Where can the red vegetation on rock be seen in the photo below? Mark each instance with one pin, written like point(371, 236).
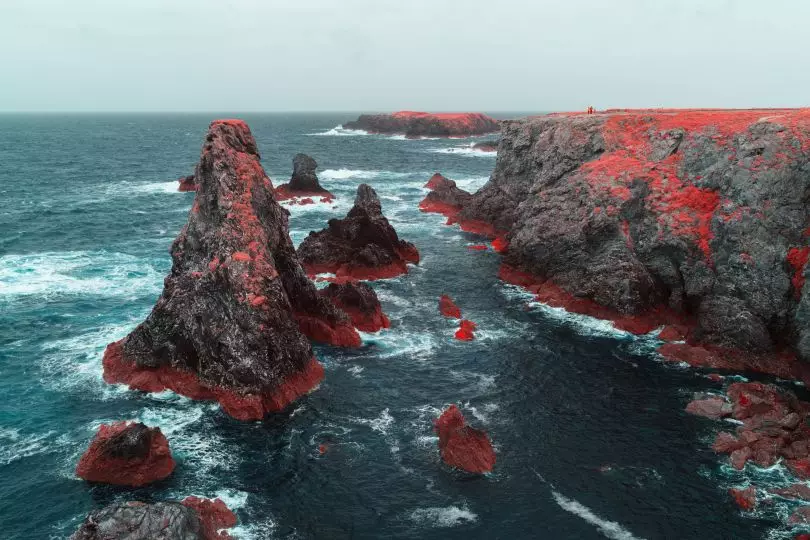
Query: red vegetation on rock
point(500, 244)
point(745, 498)
point(421, 124)
point(359, 301)
point(797, 259)
point(186, 383)
point(477, 247)
point(319, 330)
point(465, 331)
point(461, 446)
point(448, 308)
point(187, 183)
point(127, 454)
point(214, 516)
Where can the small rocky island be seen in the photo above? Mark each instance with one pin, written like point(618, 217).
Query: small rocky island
point(363, 245)
point(421, 124)
point(303, 186)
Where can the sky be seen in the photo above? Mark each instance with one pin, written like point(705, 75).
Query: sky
point(382, 55)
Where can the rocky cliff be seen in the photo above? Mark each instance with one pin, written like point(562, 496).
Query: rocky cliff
point(228, 325)
point(693, 218)
point(422, 124)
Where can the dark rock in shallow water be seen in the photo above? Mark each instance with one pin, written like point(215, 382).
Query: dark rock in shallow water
point(462, 446)
point(187, 183)
point(129, 454)
point(421, 124)
point(228, 325)
point(360, 303)
point(363, 245)
point(304, 182)
point(652, 217)
point(192, 519)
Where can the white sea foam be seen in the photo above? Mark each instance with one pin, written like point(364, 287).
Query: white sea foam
point(472, 183)
point(610, 529)
point(449, 516)
point(356, 370)
point(254, 531)
point(358, 174)
point(380, 424)
point(96, 273)
point(340, 131)
point(147, 188)
point(466, 150)
point(15, 446)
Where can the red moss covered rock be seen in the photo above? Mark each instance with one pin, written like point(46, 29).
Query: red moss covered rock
point(745, 498)
point(448, 308)
point(228, 325)
point(360, 303)
point(465, 330)
point(187, 183)
point(462, 446)
point(422, 124)
point(304, 186)
point(362, 246)
point(127, 454)
point(214, 516)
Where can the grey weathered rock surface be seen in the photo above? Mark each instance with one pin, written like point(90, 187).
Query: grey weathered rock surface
point(141, 521)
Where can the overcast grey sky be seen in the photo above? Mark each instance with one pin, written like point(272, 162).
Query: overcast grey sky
point(492, 55)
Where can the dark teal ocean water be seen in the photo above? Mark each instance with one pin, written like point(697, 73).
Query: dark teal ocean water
point(588, 425)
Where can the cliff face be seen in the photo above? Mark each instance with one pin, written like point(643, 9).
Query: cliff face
point(421, 124)
point(691, 216)
point(228, 325)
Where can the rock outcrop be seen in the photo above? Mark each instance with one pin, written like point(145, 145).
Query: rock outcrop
point(187, 183)
point(228, 325)
point(127, 454)
point(304, 184)
point(652, 217)
point(466, 330)
point(360, 303)
point(447, 199)
point(462, 446)
point(448, 308)
point(486, 146)
point(422, 124)
point(191, 519)
point(363, 245)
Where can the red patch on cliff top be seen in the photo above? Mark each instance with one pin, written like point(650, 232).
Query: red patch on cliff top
point(448, 308)
point(186, 383)
point(797, 259)
point(462, 446)
point(214, 516)
point(97, 465)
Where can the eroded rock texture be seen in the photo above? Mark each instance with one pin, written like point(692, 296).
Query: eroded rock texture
point(422, 124)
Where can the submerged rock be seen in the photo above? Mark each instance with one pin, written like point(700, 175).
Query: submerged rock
point(303, 185)
point(422, 124)
point(448, 308)
point(745, 498)
point(228, 325)
point(192, 519)
point(655, 217)
point(187, 183)
point(363, 245)
point(360, 303)
point(462, 446)
point(128, 454)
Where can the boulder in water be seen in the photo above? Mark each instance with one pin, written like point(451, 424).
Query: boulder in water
point(462, 446)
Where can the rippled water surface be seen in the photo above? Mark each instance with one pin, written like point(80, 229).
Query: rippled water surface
point(588, 425)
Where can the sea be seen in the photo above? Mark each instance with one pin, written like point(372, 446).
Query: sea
point(587, 422)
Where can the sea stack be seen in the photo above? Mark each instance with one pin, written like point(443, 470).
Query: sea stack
point(360, 303)
point(462, 446)
point(363, 245)
point(191, 519)
point(304, 182)
point(187, 183)
point(127, 454)
point(695, 218)
point(421, 124)
point(228, 325)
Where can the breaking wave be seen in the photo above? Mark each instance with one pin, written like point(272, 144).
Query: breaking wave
point(339, 131)
point(449, 516)
point(610, 529)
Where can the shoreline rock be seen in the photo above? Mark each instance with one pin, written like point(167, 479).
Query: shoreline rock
point(187, 183)
point(303, 186)
point(448, 308)
point(421, 124)
point(658, 217)
point(191, 519)
point(362, 246)
point(232, 320)
point(127, 454)
point(486, 146)
point(462, 446)
point(360, 303)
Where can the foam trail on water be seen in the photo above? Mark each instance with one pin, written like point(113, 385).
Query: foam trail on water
point(466, 150)
point(358, 174)
point(449, 516)
point(339, 131)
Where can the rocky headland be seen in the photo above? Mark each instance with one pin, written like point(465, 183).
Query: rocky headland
point(236, 309)
point(303, 187)
point(692, 220)
point(421, 124)
point(363, 245)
